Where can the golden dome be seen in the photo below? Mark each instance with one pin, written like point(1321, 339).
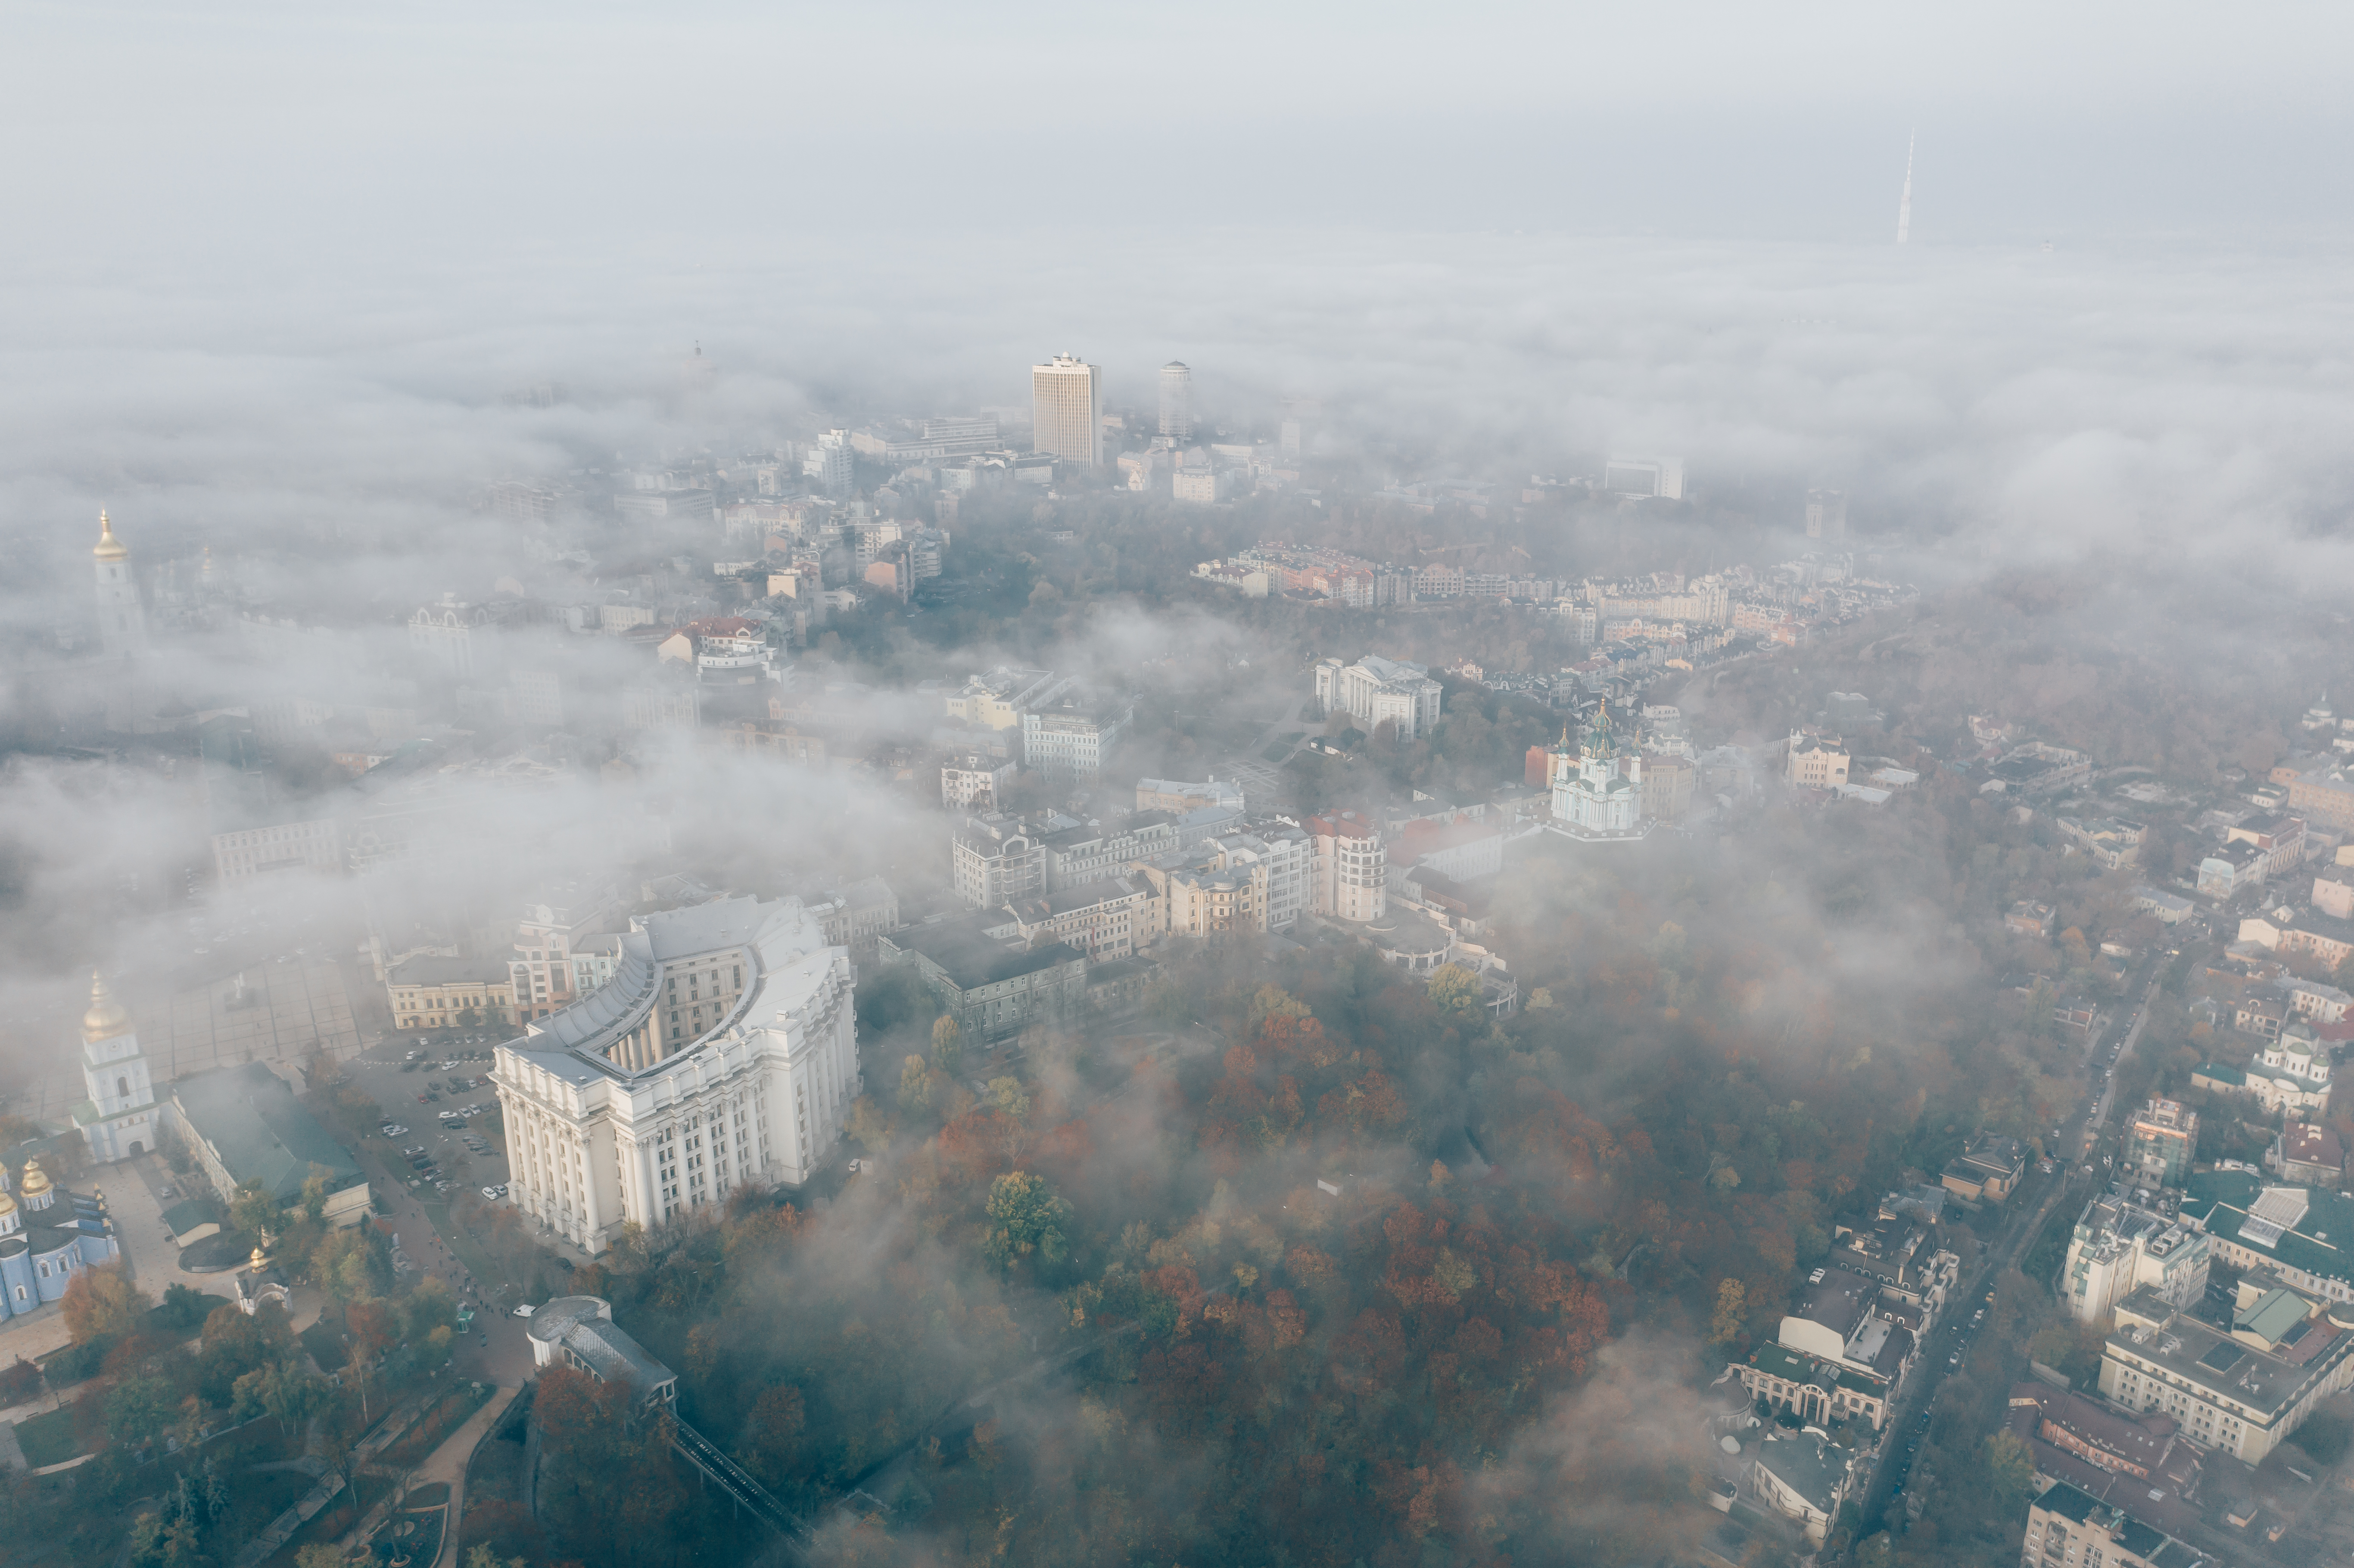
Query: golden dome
point(7, 1206)
point(36, 1178)
point(106, 1017)
point(258, 1261)
point(110, 548)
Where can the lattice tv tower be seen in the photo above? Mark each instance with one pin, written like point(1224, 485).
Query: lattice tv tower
point(1905, 202)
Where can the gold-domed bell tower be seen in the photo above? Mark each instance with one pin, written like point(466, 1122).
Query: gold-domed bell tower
point(118, 1120)
point(121, 622)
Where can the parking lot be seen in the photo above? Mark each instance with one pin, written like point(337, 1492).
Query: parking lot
point(438, 1095)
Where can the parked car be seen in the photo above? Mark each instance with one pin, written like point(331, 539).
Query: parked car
point(392, 1129)
point(492, 1194)
point(524, 1310)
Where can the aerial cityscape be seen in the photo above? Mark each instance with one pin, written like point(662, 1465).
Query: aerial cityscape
point(1230, 789)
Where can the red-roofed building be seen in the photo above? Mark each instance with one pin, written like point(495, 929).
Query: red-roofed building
point(1460, 849)
point(726, 650)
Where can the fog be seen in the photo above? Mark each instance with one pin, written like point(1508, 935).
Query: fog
point(296, 287)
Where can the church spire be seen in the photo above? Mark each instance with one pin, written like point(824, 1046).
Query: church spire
point(106, 1017)
point(110, 548)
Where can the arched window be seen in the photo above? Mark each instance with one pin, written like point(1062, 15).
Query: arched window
point(122, 1088)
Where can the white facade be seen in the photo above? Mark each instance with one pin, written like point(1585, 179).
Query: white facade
point(830, 464)
point(1596, 793)
point(1176, 401)
point(1067, 410)
point(1349, 875)
point(1068, 738)
point(119, 1120)
point(1656, 476)
point(1375, 691)
point(723, 1052)
point(2119, 1246)
point(461, 637)
point(121, 622)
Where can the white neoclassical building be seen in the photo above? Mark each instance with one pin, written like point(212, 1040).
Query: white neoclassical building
point(723, 1051)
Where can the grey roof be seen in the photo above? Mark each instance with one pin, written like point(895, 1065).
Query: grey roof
point(583, 1325)
point(1841, 1301)
point(261, 1133)
point(779, 941)
point(1809, 1466)
point(971, 960)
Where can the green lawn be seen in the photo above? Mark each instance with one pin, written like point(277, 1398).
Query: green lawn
point(48, 1439)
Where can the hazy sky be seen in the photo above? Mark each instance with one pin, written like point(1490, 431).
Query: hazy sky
point(265, 260)
point(279, 131)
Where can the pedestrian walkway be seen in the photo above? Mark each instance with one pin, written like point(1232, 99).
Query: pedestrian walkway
point(446, 1463)
point(395, 1422)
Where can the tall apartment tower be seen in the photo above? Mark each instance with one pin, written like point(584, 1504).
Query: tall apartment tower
point(122, 624)
point(1826, 514)
point(1177, 401)
point(1066, 409)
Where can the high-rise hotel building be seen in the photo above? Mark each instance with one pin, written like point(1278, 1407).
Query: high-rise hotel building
point(1177, 401)
point(723, 1052)
point(1066, 409)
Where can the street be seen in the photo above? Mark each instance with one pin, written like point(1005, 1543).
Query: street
point(497, 1350)
point(1949, 1345)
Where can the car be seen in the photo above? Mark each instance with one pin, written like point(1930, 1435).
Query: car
point(413, 1150)
point(524, 1310)
point(492, 1194)
point(392, 1129)
point(167, 1194)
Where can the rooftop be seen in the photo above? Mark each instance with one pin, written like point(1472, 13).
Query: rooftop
point(2150, 1544)
point(583, 1325)
point(262, 1135)
point(971, 960)
point(2224, 1366)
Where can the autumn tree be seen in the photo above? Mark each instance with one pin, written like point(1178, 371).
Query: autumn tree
point(101, 1303)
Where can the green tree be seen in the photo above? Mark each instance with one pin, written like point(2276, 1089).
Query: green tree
point(315, 1195)
point(947, 1043)
point(1006, 1095)
point(1455, 992)
point(916, 1083)
point(2011, 1471)
point(138, 1409)
point(256, 1212)
point(281, 1390)
point(1024, 1217)
point(428, 1307)
point(1273, 1002)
